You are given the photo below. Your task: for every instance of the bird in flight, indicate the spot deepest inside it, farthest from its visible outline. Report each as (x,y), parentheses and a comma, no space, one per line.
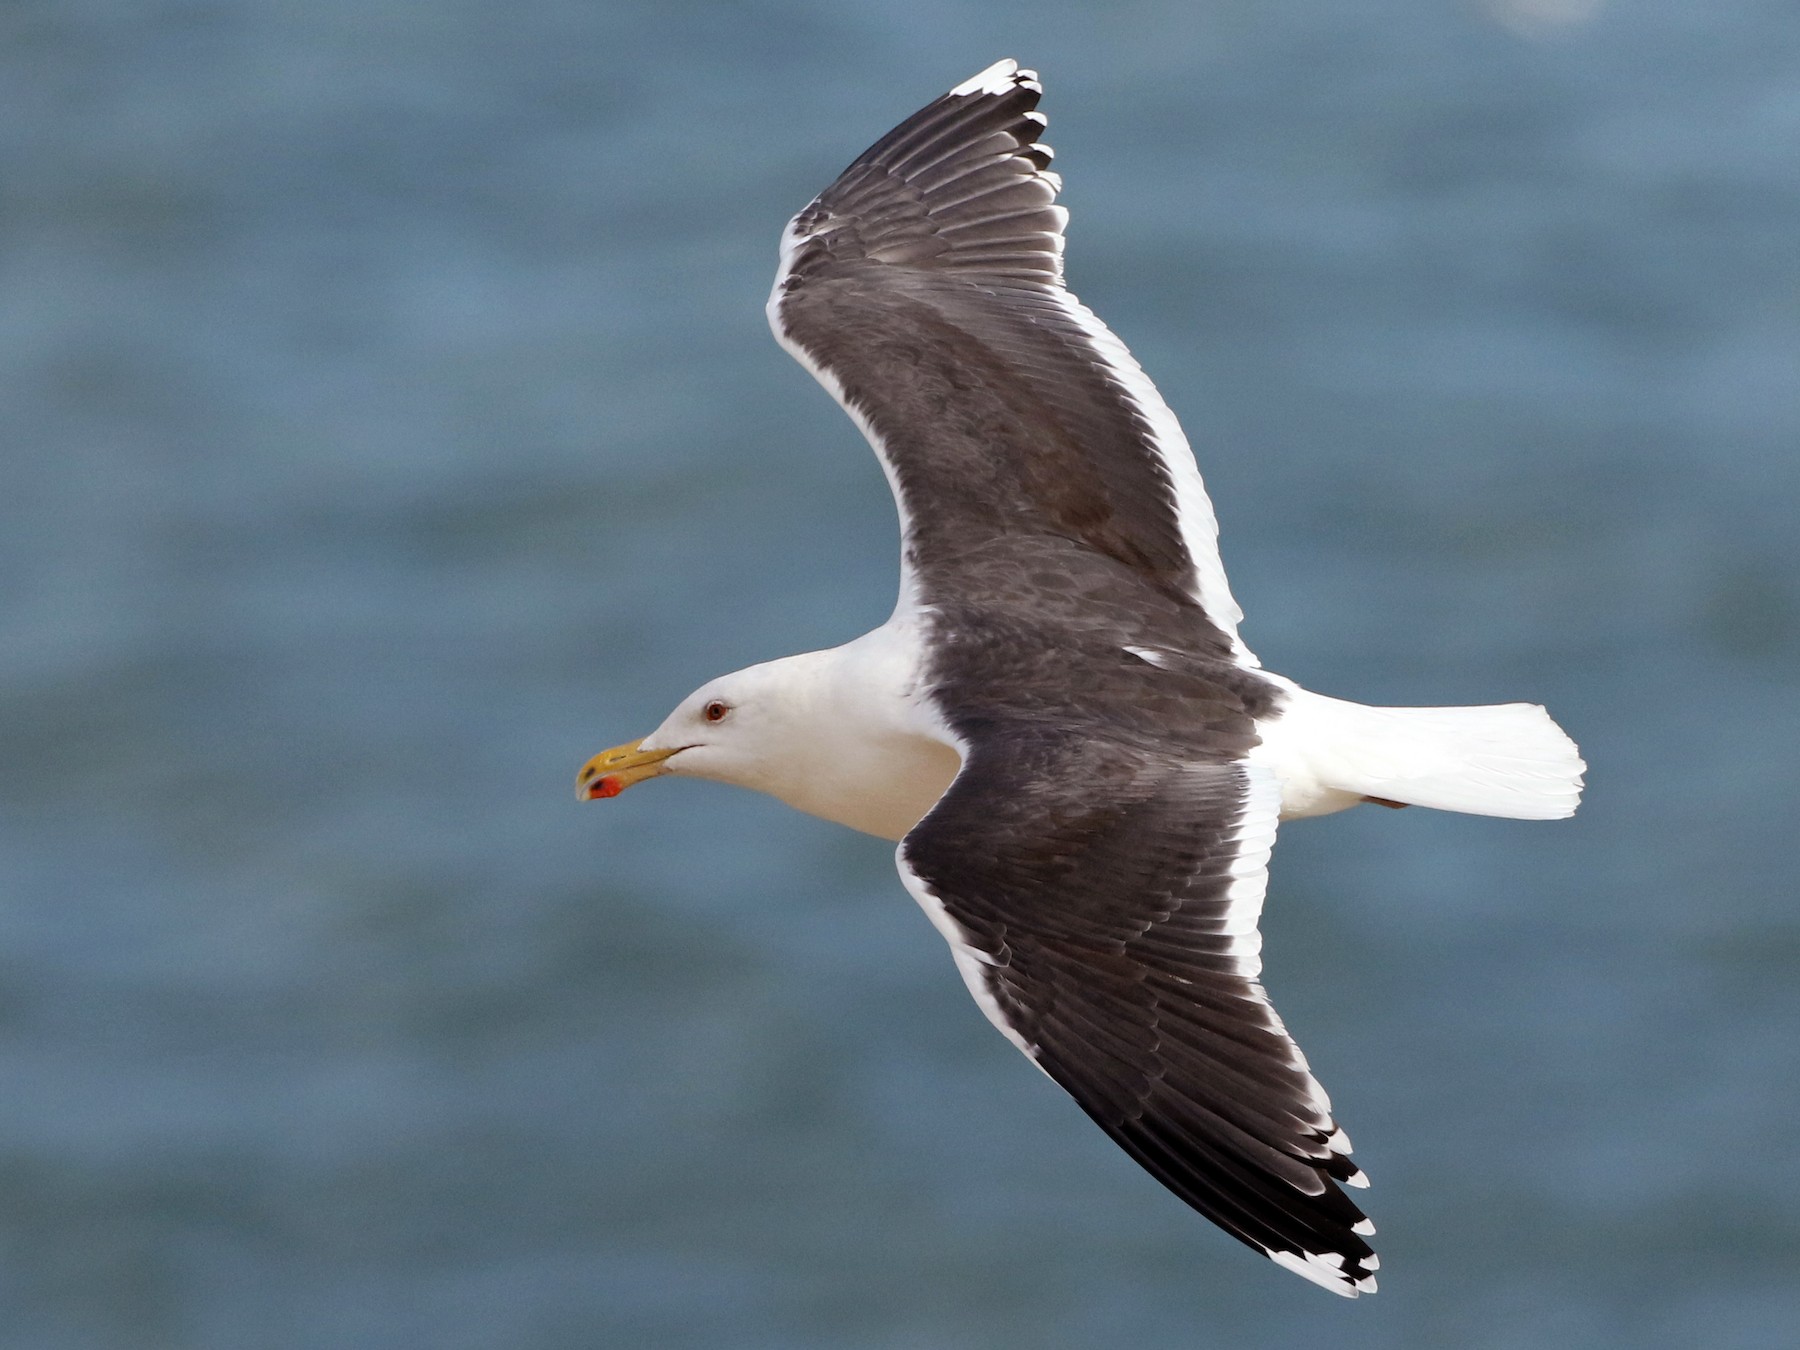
(1082,762)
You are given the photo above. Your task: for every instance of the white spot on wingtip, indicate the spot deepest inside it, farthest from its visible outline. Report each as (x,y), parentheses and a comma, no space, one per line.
(1358,1179)
(996,79)
(1325,1270)
(1364,1228)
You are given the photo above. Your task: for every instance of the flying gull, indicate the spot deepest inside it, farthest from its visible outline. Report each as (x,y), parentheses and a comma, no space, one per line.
(1081,760)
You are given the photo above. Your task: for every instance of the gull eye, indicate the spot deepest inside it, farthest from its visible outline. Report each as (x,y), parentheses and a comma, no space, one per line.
(715,711)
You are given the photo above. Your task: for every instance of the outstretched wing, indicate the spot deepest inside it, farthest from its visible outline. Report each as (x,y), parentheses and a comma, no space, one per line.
(924,290)
(1101,900)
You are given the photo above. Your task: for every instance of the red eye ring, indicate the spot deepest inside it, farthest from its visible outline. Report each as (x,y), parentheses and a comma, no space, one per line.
(715,711)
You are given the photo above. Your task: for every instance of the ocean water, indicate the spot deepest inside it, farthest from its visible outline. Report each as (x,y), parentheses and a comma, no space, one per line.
(391,423)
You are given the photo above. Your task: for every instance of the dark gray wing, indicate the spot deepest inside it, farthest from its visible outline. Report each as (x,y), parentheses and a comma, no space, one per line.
(924,289)
(1101,899)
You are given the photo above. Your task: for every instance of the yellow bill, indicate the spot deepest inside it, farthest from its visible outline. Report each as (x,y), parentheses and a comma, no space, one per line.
(610,772)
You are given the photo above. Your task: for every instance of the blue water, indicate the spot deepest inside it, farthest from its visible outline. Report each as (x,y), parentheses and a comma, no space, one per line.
(390,423)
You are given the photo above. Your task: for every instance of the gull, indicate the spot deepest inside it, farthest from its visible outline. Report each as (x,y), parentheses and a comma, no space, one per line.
(1083,764)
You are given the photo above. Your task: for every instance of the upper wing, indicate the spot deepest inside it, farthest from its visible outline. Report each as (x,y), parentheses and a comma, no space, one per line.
(1101,900)
(924,290)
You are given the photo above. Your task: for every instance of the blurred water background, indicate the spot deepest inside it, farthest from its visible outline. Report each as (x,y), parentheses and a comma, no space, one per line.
(390,423)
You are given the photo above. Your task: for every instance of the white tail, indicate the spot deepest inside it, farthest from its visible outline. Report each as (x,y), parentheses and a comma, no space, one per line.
(1502,759)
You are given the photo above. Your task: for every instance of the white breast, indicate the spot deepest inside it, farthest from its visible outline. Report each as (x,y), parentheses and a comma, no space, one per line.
(877,755)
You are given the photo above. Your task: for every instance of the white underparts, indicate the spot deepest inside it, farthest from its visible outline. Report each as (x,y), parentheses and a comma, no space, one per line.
(871,751)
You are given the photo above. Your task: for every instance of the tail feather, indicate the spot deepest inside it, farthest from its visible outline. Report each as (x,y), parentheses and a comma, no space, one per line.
(1504,759)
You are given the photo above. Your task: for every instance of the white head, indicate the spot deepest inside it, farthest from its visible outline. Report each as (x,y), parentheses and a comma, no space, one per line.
(836,734)
(751,728)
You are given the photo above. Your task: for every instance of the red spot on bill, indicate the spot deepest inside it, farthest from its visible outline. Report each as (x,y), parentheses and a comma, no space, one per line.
(608,786)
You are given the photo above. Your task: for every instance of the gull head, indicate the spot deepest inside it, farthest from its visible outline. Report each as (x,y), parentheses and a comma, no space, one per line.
(747,728)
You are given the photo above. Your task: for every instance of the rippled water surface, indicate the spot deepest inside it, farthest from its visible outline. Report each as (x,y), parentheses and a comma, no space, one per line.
(391,423)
